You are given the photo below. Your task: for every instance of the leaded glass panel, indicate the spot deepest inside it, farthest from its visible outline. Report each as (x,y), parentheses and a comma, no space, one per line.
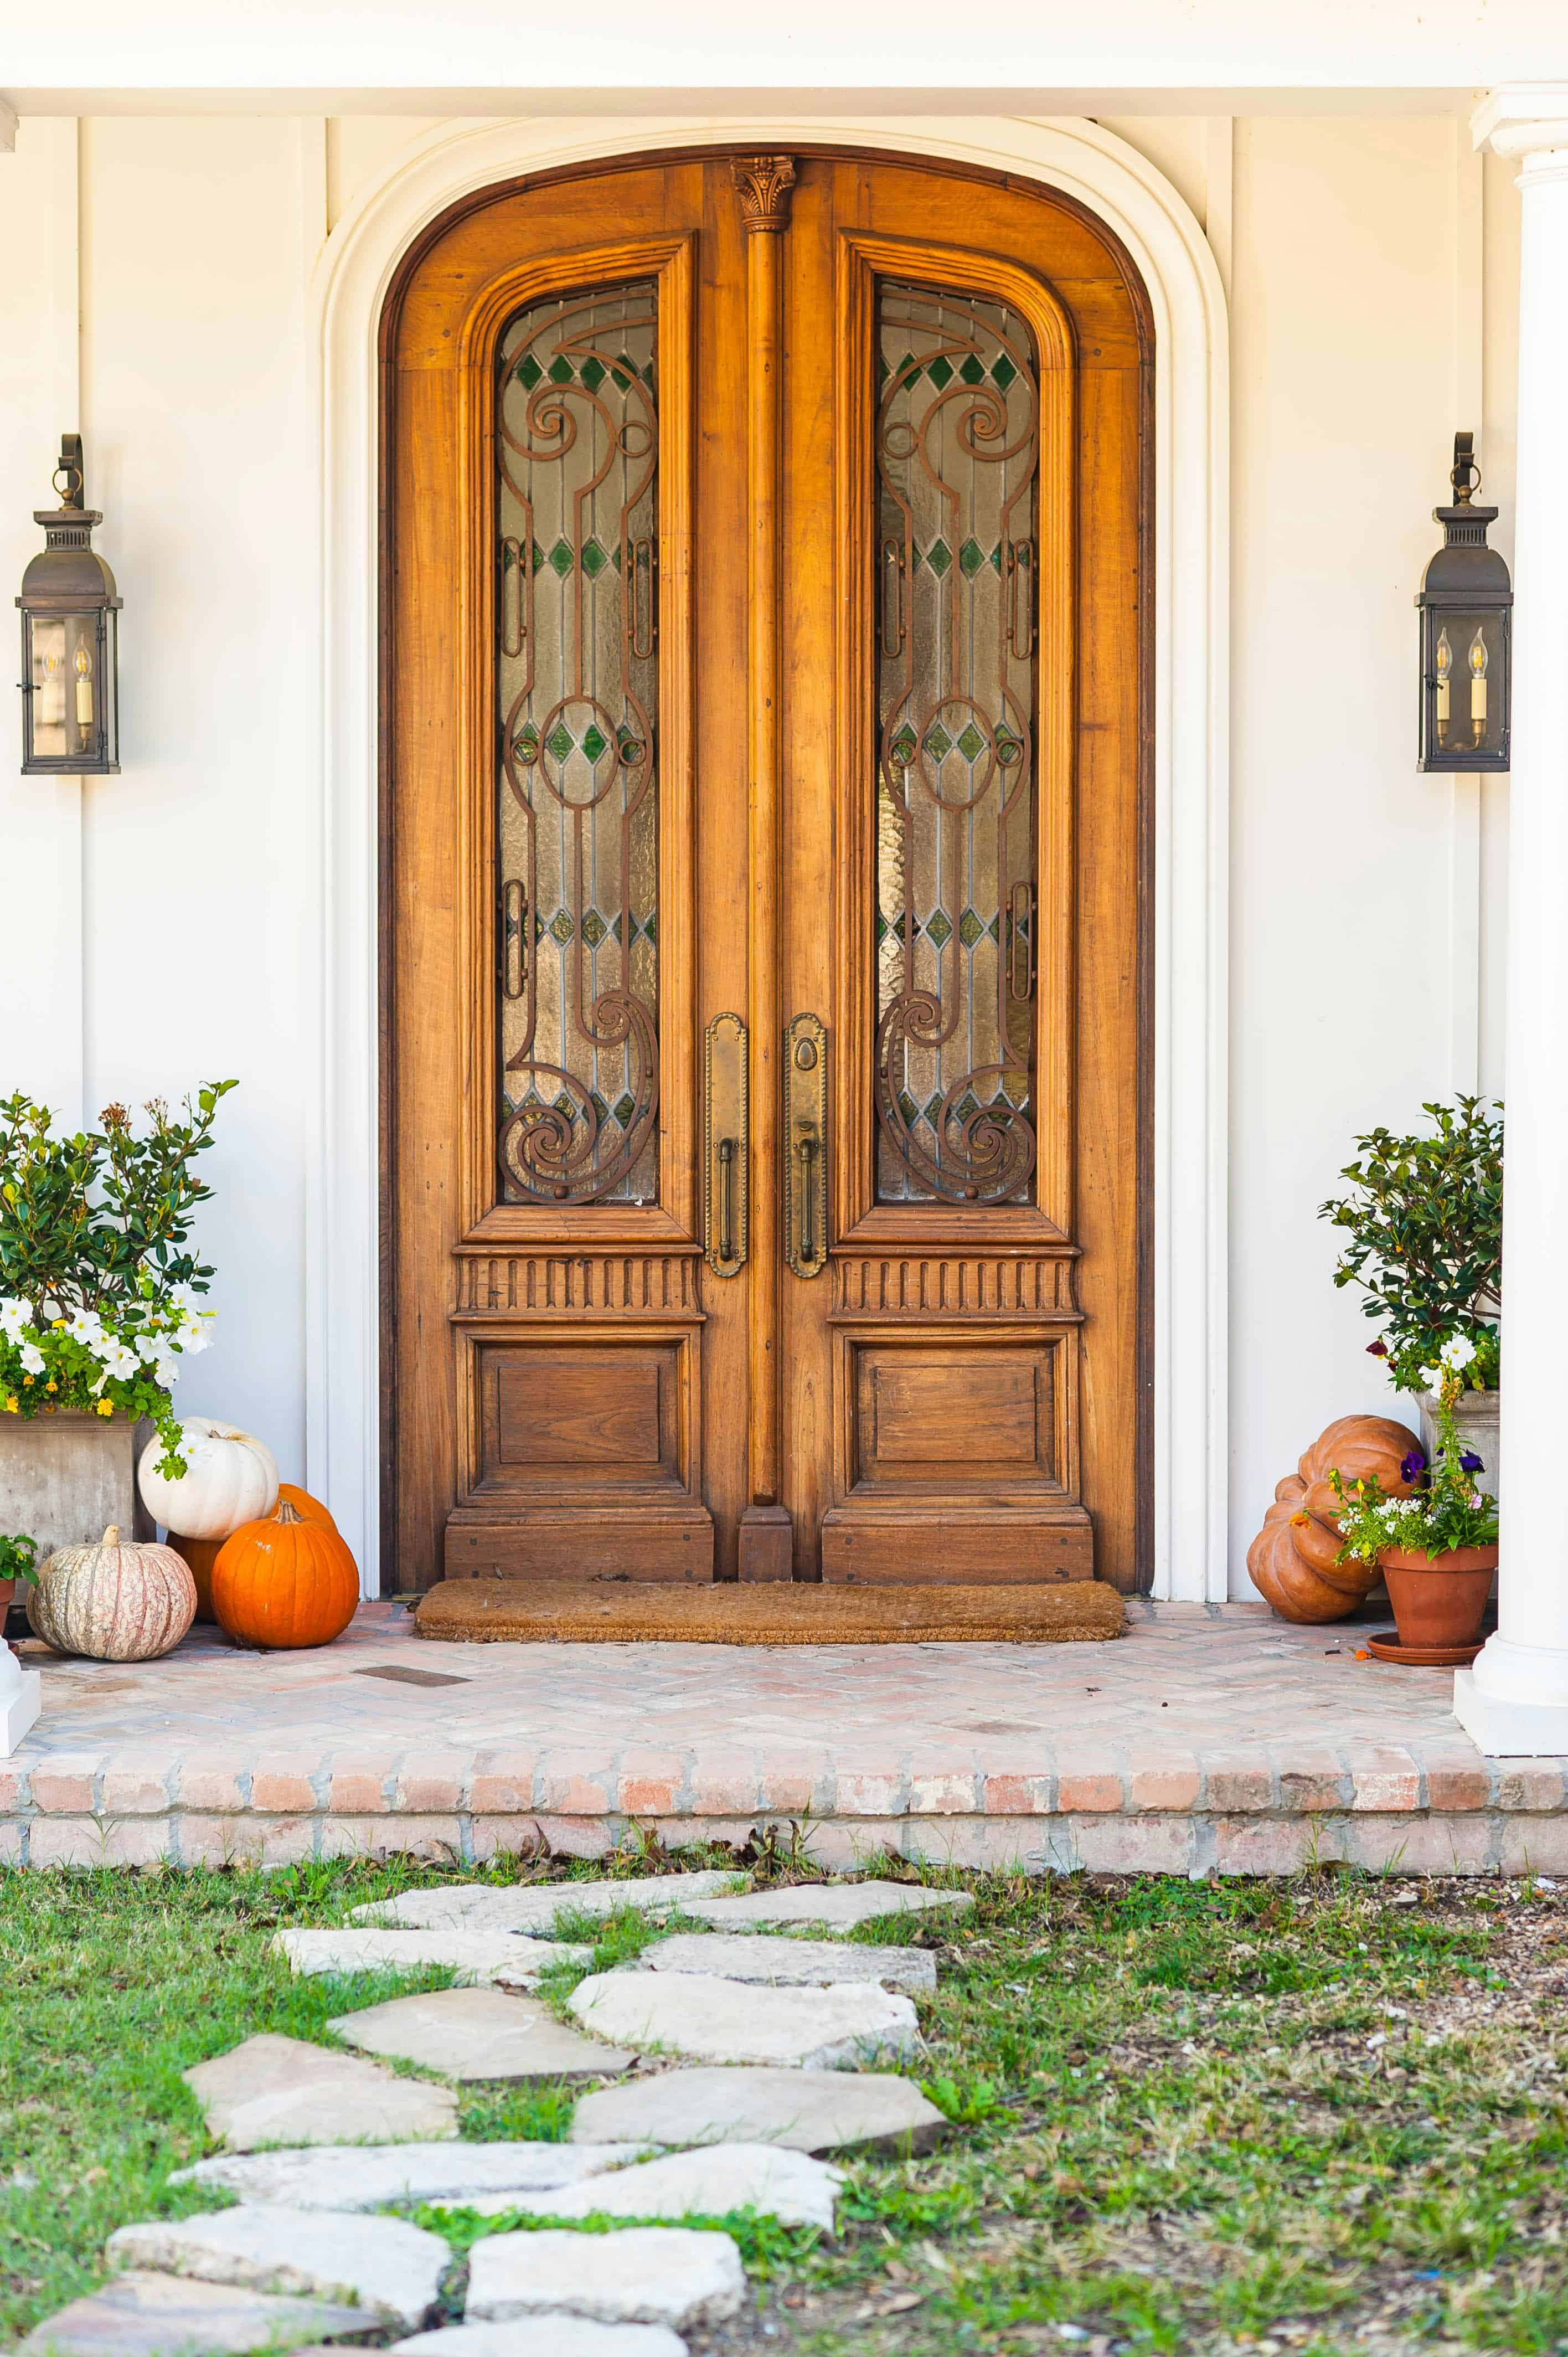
(957,462)
(577,501)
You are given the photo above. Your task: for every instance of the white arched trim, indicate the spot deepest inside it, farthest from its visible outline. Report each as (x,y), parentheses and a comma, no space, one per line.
(1191,704)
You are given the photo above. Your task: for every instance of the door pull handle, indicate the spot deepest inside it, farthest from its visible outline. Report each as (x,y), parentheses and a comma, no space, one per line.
(726,1143)
(805,1146)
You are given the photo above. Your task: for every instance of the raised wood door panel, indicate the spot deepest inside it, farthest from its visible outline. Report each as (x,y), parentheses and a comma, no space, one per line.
(957,1392)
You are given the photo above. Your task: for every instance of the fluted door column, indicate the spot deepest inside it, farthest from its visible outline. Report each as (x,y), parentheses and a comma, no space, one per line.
(1515,1699)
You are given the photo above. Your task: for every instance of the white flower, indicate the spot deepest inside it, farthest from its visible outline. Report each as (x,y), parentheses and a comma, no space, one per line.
(86,1326)
(186,1298)
(1430,1379)
(1457,1351)
(16,1318)
(196,1333)
(32,1359)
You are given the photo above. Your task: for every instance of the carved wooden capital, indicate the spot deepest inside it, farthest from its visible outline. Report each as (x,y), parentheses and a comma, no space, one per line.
(764,183)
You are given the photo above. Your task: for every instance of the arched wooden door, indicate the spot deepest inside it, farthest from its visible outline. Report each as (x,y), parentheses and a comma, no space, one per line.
(763,880)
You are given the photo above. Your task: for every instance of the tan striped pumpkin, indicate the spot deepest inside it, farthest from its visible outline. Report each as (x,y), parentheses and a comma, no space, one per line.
(117,1602)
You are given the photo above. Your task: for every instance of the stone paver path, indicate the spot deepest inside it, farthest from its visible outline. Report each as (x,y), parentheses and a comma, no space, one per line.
(810,2111)
(285,2091)
(769,2179)
(840,1908)
(164,2316)
(476,1906)
(545,2336)
(314,2250)
(479,2033)
(475,1959)
(712,2020)
(379,2176)
(677,2276)
(382,2264)
(791,1964)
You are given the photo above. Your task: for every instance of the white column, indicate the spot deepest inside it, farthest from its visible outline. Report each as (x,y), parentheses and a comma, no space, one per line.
(1515,1699)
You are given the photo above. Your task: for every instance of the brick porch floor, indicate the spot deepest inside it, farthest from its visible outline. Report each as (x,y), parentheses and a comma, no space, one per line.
(1210,1738)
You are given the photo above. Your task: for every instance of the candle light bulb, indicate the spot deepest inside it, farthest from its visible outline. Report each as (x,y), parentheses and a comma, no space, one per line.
(83,666)
(1479,683)
(1445,668)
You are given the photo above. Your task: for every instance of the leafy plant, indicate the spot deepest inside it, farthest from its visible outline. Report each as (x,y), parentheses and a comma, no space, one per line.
(17,1557)
(1424,1219)
(98,1289)
(1447,1509)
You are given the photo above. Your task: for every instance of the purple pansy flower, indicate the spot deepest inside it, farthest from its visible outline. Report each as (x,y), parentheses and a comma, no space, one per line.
(1378,1349)
(1471,1463)
(1413,1465)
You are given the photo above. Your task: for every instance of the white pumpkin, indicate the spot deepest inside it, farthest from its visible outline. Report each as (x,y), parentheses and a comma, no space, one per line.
(117,1602)
(231,1478)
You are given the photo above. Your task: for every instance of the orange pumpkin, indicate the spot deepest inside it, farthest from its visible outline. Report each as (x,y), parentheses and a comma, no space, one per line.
(202,1554)
(308,1508)
(283,1582)
(1294,1559)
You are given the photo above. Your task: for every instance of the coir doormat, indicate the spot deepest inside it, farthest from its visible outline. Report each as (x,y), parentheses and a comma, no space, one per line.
(645,1612)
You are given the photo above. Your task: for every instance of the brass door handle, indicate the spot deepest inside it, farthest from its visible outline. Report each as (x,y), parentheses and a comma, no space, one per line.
(727,1140)
(806,1142)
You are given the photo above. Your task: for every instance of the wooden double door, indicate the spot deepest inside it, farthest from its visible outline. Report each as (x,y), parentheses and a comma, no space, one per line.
(762,889)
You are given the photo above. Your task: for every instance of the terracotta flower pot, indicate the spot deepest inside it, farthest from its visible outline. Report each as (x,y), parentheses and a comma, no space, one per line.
(1439,1599)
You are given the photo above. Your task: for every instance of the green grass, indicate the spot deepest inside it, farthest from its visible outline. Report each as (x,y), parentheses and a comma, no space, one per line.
(1168,2127)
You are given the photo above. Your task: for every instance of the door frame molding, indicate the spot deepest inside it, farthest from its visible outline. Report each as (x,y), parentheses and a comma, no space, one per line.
(1190,693)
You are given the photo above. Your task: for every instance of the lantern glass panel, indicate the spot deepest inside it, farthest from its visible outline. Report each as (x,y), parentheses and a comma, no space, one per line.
(72,672)
(1469,669)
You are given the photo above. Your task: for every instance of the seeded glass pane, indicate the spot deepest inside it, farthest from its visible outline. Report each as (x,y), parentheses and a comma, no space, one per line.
(577,967)
(957,460)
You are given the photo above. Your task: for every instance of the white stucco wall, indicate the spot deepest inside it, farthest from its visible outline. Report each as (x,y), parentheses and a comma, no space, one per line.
(1365,913)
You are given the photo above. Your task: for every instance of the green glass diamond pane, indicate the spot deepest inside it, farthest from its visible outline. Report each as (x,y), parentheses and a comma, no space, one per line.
(592,373)
(561,926)
(939,930)
(595,743)
(594,560)
(559,740)
(528,371)
(594,929)
(560,559)
(1003,371)
(938,743)
(970,928)
(623,1108)
(970,557)
(938,556)
(972,744)
(907,1107)
(973,370)
(940,373)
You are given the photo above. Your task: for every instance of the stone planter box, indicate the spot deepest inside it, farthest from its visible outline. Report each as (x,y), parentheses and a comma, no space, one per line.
(65,1477)
(1475,1421)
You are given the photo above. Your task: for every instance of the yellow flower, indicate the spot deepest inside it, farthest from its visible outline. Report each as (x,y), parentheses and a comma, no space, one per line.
(26,1382)
(59,1325)
(51,1385)
(11,1408)
(105,1407)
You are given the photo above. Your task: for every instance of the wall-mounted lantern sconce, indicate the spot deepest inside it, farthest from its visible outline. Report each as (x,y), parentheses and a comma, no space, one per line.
(1466,634)
(70,704)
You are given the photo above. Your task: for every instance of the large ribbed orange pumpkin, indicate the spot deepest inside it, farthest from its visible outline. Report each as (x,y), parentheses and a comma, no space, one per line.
(202,1554)
(283,1582)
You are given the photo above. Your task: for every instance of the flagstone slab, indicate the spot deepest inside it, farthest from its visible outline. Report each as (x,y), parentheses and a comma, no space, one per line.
(479,2033)
(383,2265)
(841,1906)
(809,2111)
(705,2183)
(713,2020)
(533,1907)
(779,1961)
(545,2336)
(677,2276)
(374,2176)
(288,2091)
(168,2316)
(477,1959)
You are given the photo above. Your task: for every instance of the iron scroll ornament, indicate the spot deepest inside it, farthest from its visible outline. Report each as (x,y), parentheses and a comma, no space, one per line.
(957,442)
(576,434)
